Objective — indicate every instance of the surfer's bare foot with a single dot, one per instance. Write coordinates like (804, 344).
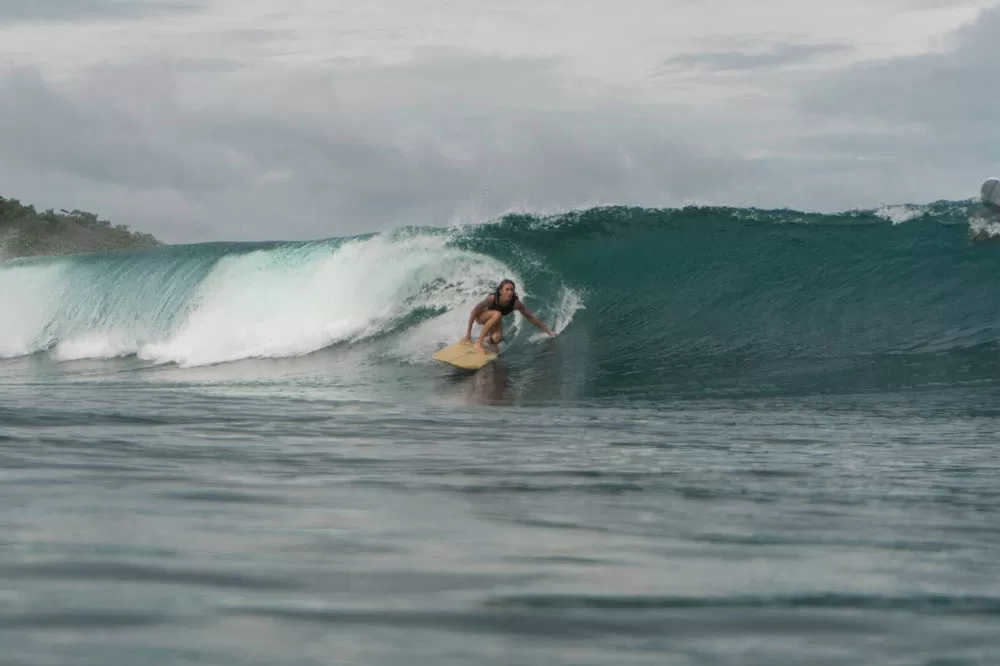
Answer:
(479, 348)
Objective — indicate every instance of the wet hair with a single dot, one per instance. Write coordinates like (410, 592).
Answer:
(496, 296)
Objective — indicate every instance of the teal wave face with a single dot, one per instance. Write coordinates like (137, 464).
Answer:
(739, 298)
(649, 302)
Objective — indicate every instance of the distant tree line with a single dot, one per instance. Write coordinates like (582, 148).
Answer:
(27, 232)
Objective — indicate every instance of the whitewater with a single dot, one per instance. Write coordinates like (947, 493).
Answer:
(759, 437)
(200, 305)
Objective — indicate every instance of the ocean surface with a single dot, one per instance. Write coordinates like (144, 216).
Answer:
(760, 437)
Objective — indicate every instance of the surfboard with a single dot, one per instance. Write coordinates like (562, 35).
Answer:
(990, 191)
(463, 355)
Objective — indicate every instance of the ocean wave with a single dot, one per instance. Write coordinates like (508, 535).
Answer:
(701, 294)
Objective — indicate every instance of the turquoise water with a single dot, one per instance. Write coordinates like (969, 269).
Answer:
(760, 437)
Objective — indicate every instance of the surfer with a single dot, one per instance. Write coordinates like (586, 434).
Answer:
(495, 307)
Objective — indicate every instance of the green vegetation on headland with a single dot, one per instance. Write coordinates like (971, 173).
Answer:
(24, 232)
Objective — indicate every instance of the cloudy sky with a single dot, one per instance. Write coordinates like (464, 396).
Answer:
(258, 119)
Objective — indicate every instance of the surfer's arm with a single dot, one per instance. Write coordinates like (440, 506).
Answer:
(530, 316)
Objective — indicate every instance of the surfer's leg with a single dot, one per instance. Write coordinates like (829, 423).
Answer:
(489, 321)
(496, 337)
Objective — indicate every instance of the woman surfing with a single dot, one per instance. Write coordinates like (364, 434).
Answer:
(491, 310)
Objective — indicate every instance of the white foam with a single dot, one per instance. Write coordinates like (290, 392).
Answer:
(899, 214)
(569, 303)
(293, 301)
(110, 344)
(287, 300)
(984, 228)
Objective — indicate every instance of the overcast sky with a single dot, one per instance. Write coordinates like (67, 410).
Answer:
(259, 119)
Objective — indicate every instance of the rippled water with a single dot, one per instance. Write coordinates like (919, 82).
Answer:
(169, 516)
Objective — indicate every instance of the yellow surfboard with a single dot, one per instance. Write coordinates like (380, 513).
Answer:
(463, 355)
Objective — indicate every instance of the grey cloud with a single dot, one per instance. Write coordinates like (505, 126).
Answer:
(258, 154)
(194, 152)
(933, 117)
(928, 4)
(94, 134)
(949, 89)
(777, 56)
(16, 11)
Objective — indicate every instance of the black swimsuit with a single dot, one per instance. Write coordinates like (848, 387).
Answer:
(504, 310)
